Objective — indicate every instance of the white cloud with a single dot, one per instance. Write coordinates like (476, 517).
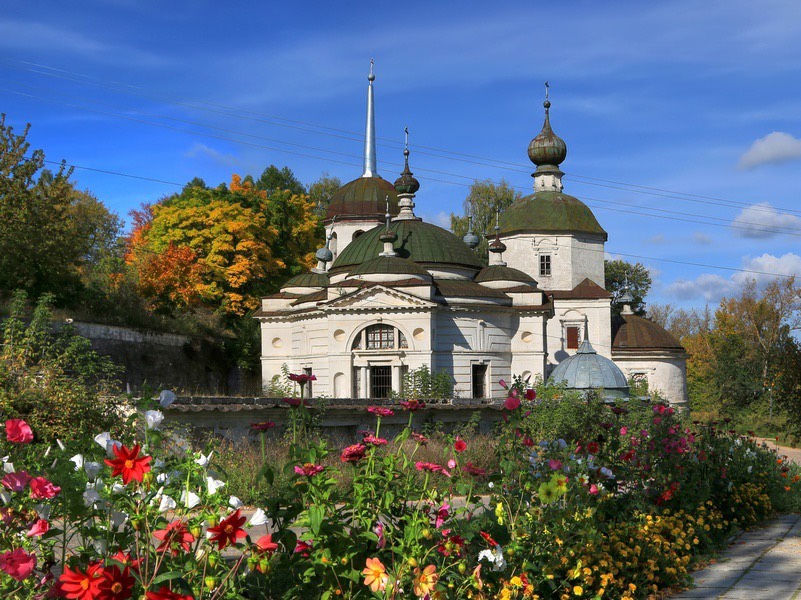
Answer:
(774, 148)
(712, 287)
(701, 238)
(656, 239)
(203, 151)
(763, 221)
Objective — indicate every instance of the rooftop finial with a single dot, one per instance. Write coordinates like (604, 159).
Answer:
(324, 254)
(388, 237)
(586, 347)
(369, 134)
(406, 185)
(387, 216)
(470, 239)
(626, 299)
(497, 247)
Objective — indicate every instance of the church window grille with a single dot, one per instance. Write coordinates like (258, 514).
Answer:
(380, 381)
(545, 265)
(380, 337)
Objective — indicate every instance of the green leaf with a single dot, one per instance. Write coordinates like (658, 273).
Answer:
(167, 577)
(315, 519)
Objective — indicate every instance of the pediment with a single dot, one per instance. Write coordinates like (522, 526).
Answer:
(377, 297)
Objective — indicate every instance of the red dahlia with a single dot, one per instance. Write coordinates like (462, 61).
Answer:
(228, 531)
(175, 537)
(77, 585)
(128, 463)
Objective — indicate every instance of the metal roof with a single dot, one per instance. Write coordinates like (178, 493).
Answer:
(502, 273)
(365, 197)
(307, 280)
(586, 370)
(389, 265)
(418, 241)
(631, 332)
(550, 212)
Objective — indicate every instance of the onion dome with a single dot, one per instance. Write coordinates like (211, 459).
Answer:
(587, 370)
(421, 242)
(497, 246)
(470, 238)
(324, 254)
(547, 148)
(406, 183)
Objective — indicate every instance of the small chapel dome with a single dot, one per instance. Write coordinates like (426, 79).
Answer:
(587, 370)
(390, 265)
(632, 332)
(503, 273)
(406, 183)
(363, 197)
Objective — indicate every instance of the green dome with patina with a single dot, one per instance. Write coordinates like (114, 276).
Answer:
(310, 279)
(389, 265)
(418, 241)
(365, 197)
(550, 212)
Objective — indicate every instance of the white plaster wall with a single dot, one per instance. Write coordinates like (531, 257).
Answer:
(572, 312)
(344, 231)
(666, 373)
(573, 258)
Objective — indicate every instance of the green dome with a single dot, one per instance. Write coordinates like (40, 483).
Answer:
(550, 212)
(501, 273)
(307, 280)
(421, 242)
(365, 196)
(389, 265)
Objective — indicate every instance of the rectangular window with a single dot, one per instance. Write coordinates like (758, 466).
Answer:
(545, 265)
(380, 337)
(307, 389)
(572, 335)
(479, 381)
(357, 382)
(380, 382)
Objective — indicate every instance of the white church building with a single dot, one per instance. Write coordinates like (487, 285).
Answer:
(392, 293)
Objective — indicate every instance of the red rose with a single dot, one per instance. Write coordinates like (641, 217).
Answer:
(460, 445)
(18, 431)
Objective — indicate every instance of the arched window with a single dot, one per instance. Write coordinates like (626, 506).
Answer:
(380, 337)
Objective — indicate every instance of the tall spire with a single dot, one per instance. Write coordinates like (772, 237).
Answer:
(370, 169)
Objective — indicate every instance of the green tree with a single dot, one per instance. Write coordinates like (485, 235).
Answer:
(482, 201)
(56, 382)
(619, 273)
(51, 234)
(320, 192)
(274, 179)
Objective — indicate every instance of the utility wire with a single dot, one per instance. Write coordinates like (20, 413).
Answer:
(739, 225)
(355, 136)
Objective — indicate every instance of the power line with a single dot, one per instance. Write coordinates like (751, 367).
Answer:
(355, 136)
(739, 225)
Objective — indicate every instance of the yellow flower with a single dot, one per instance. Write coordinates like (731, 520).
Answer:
(425, 580)
(516, 581)
(375, 575)
(578, 590)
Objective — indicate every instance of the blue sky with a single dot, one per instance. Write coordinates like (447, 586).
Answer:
(700, 99)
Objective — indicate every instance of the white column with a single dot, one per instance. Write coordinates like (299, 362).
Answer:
(365, 383)
(396, 379)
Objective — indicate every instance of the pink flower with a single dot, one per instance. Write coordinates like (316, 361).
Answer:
(264, 426)
(16, 482)
(18, 431)
(624, 430)
(40, 527)
(451, 464)
(593, 489)
(443, 512)
(474, 470)
(378, 529)
(303, 548)
(294, 402)
(374, 441)
(502, 383)
(657, 420)
(512, 403)
(644, 433)
(554, 464)
(413, 405)
(531, 394)
(42, 489)
(353, 454)
(381, 411)
(460, 445)
(659, 408)
(419, 438)
(302, 377)
(427, 466)
(309, 469)
(17, 563)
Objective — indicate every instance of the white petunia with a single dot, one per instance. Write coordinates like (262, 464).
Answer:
(61, 444)
(163, 479)
(91, 497)
(166, 398)
(166, 504)
(8, 466)
(5, 497)
(190, 499)
(235, 502)
(92, 469)
(78, 460)
(153, 418)
(212, 485)
(100, 546)
(118, 488)
(105, 442)
(258, 518)
(203, 461)
(118, 518)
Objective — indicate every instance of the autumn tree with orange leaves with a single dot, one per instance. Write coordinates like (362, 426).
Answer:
(221, 248)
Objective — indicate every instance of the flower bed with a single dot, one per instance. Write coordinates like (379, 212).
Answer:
(619, 507)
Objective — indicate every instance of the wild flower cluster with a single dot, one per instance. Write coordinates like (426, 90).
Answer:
(620, 509)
